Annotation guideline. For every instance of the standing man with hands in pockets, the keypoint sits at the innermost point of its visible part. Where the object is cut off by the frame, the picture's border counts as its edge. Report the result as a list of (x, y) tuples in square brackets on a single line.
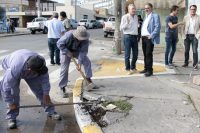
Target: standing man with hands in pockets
[(191, 27), (150, 36), (129, 26)]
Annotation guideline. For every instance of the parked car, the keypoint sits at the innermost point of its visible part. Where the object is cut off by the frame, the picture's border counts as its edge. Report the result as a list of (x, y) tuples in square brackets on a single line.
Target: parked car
[(96, 24), (37, 24), (85, 22), (93, 23), (101, 22), (73, 23), (109, 27)]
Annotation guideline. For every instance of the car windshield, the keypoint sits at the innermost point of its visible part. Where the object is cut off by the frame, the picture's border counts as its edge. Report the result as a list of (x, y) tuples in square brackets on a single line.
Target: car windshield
[(112, 19), (83, 20)]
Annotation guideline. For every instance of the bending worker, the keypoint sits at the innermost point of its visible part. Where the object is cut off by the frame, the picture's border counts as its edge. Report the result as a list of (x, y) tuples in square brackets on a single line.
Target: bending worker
[(74, 44), (27, 65)]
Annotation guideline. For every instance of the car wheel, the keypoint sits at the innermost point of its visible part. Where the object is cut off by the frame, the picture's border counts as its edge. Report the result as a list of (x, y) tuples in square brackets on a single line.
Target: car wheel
[(33, 31), (105, 35), (45, 30)]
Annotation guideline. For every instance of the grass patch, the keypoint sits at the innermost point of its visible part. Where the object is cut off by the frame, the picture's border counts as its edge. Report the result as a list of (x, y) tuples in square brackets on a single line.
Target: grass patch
[(189, 98), (123, 105)]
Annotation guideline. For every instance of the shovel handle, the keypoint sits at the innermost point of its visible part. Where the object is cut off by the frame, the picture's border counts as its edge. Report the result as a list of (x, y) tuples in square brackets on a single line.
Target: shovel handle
[(81, 72), (58, 104)]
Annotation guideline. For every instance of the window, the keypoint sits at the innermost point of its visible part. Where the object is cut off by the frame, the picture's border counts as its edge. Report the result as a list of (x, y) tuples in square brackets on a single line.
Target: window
[(85, 16)]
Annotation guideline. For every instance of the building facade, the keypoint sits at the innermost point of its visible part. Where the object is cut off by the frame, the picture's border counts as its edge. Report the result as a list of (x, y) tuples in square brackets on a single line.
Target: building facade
[(23, 11)]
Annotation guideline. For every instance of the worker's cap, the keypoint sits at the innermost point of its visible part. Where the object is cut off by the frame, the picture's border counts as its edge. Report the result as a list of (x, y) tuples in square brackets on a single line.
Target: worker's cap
[(81, 33), (37, 64)]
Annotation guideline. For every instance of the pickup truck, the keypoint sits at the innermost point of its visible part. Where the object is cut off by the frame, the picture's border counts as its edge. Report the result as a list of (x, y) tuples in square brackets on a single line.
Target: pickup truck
[(38, 24), (109, 27), (86, 23)]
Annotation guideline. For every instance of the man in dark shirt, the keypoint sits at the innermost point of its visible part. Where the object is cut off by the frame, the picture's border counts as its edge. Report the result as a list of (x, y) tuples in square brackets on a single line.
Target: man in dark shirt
[(171, 36)]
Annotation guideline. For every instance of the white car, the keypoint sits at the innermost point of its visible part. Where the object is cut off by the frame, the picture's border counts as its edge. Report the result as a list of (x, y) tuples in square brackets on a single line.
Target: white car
[(109, 27), (86, 22), (38, 24)]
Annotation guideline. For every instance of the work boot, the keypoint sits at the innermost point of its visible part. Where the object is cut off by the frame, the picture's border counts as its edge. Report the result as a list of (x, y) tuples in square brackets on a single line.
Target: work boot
[(90, 85), (12, 124), (63, 93), (55, 116), (66, 94)]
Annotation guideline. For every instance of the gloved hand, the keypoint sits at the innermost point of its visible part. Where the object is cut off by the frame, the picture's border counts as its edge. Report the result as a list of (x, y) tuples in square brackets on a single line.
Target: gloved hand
[(12, 106), (47, 100)]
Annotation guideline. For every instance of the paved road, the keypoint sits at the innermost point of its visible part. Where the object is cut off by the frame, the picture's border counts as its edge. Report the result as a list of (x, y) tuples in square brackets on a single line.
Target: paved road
[(35, 120)]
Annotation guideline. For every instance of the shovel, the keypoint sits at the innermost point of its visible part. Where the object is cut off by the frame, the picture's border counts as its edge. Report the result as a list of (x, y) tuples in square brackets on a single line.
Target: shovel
[(90, 86)]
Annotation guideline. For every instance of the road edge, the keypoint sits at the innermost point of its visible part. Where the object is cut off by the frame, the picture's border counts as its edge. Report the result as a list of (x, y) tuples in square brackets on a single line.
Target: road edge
[(83, 118)]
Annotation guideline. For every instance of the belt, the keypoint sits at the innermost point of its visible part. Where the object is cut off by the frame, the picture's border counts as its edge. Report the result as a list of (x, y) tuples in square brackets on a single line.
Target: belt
[(189, 34), (145, 37), (130, 35)]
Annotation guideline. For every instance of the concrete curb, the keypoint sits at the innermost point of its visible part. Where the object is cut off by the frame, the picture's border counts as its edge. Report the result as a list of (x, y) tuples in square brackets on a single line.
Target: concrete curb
[(82, 116)]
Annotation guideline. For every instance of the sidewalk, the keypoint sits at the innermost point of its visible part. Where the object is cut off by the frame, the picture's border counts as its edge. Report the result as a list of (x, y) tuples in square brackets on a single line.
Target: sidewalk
[(18, 32), (166, 102)]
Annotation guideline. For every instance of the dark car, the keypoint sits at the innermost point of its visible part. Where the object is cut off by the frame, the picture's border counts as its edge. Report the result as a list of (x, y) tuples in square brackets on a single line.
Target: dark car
[(96, 24)]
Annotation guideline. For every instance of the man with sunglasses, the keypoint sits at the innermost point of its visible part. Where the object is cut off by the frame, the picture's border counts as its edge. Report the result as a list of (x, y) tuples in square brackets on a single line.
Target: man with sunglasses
[(27, 65), (191, 35)]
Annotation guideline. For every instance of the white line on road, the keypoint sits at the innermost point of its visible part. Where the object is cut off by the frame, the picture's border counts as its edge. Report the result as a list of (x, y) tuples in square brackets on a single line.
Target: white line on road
[(54, 76)]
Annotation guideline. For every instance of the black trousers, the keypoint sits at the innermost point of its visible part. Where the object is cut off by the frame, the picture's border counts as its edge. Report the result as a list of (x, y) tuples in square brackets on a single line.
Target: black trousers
[(191, 39), (147, 47)]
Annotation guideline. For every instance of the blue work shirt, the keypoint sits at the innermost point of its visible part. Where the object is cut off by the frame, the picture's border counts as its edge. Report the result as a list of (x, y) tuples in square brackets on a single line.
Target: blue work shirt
[(68, 44), (15, 66)]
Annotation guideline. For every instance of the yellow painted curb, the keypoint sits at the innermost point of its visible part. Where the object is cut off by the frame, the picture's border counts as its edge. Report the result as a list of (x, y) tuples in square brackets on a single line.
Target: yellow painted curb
[(91, 129), (77, 88), (113, 67), (83, 119)]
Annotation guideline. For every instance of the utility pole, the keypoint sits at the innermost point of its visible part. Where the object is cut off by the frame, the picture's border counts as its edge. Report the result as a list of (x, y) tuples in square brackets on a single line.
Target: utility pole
[(117, 34), (75, 6), (38, 9)]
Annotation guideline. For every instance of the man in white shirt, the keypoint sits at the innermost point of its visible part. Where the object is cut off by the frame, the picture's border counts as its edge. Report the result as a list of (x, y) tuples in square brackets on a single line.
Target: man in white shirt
[(191, 35), (55, 31), (129, 26)]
